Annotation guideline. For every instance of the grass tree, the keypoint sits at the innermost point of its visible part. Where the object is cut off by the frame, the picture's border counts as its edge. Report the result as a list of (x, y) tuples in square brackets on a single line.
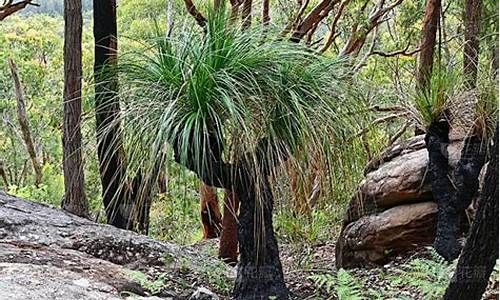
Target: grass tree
[(232, 109)]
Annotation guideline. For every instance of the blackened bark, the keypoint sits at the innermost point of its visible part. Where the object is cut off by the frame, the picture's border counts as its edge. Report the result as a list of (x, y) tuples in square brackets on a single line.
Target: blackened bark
[(228, 248), (466, 184), (481, 249), (436, 140), (466, 176), (74, 191), (260, 274), (429, 29), (110, 151), (471, 47)]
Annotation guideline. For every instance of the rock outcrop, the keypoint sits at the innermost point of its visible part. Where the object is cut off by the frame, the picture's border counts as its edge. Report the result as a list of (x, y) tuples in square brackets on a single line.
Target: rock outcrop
[(392, 210), (47, 253), (375, 237)]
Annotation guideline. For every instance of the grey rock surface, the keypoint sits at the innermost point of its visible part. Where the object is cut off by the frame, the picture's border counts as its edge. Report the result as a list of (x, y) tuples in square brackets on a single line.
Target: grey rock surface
[(47, 253)]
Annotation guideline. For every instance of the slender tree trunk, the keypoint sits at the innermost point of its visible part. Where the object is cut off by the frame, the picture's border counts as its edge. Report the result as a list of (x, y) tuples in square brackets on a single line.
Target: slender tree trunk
[(3, 175), (481, 249), (24, 123), (260, 274), (265, 13), (74, 188), (471, 47), (110, 151), (431, 21), (228, 248), (246, 14), (209, 211)]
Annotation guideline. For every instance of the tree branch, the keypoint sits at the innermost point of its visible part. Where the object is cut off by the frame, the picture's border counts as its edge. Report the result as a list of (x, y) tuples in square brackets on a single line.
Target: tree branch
[(318, 13), (193, 11), (9, 7)]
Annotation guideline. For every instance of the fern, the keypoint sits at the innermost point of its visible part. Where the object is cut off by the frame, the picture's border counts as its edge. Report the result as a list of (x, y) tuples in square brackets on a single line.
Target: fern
[(430, 276), (346, 286)]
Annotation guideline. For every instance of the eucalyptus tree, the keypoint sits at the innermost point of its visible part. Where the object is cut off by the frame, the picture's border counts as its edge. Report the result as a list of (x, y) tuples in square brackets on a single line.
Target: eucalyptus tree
[(74, 196), (232, 110)]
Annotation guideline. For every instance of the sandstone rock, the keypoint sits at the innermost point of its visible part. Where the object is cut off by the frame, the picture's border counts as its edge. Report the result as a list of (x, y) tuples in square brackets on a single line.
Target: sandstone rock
[(396, 177), (374, 238), (47, 253)]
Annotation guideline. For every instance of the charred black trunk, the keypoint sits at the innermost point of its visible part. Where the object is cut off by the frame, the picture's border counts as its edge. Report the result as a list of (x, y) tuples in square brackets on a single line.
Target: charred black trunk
[(260, 274), (481, 249), (436, 140), (125, 201), (466, 179), (109, 149)]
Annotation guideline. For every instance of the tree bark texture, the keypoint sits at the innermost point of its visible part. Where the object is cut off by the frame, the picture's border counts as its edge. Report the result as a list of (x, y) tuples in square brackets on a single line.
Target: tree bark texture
[(74, 187), (481, 248), (246, 14), (436, 140), (429, 29), (260, 274), (209, 211), (471, 47), (228, 248)]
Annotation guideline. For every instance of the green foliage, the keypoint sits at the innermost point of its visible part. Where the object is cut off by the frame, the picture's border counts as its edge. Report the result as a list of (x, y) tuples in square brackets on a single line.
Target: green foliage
[(432, 103), (215, 274), (39, 57), (153, 286), (50, 192), (346, 286), (275, 99), (430, 276), (317, 227)]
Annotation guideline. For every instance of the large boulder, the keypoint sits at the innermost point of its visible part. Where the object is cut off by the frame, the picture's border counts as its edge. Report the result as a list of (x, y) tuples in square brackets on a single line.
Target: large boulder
[(396, 177), (385, 201), (47, 253), (376, 237)]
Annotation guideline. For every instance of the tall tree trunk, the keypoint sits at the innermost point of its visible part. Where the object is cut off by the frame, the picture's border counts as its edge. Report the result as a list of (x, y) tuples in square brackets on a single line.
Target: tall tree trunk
[(471, 47), (260, 274), (109, 137), (228, 248), (74, 189), (481, 249), (429, 29), (210, 213), (24, 123)]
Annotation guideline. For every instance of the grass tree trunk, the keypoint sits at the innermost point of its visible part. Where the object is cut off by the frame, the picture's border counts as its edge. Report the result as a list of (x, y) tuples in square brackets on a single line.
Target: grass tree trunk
[(481, 249), (74, 192), (260, 274), (109, 140), (436, 140)]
